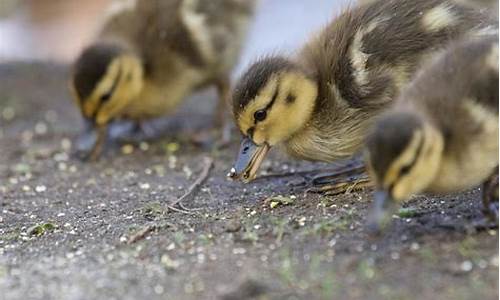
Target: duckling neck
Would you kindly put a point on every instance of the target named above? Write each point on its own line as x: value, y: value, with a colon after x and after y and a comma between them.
x: 329, y: 137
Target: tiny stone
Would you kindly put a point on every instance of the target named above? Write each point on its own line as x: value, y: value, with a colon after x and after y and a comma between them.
x: 127, y: 149
x: 41, y: 128
x: 158, y: 289
x: 144, y: 186
x: 169, y: 263
x: 61, y: 157
x: 482, y: 263
x: 144, y: 146
x: 62, y: 166
x: 51, y: 116
x: 494, y: 261
x: 414, y: 246
x: 66, y: 144
x: 466, y: 266
x: 239, y: 251
x: 8, y: 113
x: 171, y: 247
x: 40, y: 188
x: 233, y: 225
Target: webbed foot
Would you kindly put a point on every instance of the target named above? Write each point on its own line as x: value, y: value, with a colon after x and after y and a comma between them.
x: 490, y: 198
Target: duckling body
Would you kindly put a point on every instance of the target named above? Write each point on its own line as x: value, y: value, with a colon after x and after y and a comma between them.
x: 363, y: 60
x: 442, y: 134
x: 153, y: 55
x: 327, y: 96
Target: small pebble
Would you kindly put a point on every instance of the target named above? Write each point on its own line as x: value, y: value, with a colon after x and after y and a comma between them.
x: 414, y: 246
x: 158, y: 289
x: 66, y: 144
x: 8, y: 113
x: 239, y: 251
x: 169, y: 263
x: 41, y: 128
x: 40, y: 188
x: 51, y: 116
x: 466, y: 266
x: 144, y: 186
x: 144, y: 146
x: 127, y: 149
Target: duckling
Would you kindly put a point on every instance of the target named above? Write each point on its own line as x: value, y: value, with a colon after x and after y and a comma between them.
x: 442, y: 134
x: 149, y: 58
x: 319, y: 104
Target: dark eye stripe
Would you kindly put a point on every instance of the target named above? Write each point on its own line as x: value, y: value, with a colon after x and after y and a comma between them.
x: 275, y: 95
x: 404, y: 170
x: 271, y: 103
x: 107, y: 96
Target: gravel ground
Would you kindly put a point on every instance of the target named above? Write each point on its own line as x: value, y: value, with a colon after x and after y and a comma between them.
x: 74, y: 230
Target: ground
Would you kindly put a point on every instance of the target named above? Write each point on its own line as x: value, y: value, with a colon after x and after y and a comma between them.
x: 76, y: 230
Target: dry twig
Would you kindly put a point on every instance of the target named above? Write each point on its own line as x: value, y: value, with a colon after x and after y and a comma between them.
x: 208, y: 164
x: 139, y: 235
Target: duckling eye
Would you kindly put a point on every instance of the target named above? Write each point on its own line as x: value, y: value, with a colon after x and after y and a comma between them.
x: 290, y: 98
x: 260, y: 115
x: 105, y: 97
x: 404, y: 170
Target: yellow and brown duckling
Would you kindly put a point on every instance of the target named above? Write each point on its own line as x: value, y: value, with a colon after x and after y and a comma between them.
x: 319, y: 104
x: 149, y: 58
x: 442, y: 134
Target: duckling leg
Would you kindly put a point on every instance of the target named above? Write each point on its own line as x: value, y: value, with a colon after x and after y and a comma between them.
x: 490, y: 198
x: 99, y: 143
x: 348, y: 178
x: 222, y: 120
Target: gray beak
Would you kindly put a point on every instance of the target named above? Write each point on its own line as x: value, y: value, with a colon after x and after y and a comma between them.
x: 381, y: 212
x: 87, y: 139
x: 250, y: 157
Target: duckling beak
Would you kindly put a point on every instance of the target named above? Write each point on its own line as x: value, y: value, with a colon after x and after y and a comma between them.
x: 249, y: 159
x: 381, y: 213
x: 88, y: 137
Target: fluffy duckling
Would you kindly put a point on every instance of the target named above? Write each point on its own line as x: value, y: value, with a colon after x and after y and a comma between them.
x: 319, y: 104
x: 442, y: 134
x: 150, y: 57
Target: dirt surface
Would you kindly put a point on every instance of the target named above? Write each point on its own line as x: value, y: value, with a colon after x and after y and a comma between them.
x: 105, y: 230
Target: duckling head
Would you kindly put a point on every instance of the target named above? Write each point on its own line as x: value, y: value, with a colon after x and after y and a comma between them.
x: 404, y: 154
x: 272, y: 101
x: 105, y: 79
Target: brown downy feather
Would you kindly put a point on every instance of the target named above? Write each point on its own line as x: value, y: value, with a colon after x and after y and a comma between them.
x: 361, y: 61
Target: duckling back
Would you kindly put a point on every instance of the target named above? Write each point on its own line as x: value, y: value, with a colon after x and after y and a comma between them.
x: 184, y: 45
x: 458, y: 94
x: 365, y: 57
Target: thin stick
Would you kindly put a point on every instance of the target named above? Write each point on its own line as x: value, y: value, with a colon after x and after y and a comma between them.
x: 181, y: 210
x: 208, y: 163
x: 139, y: 235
